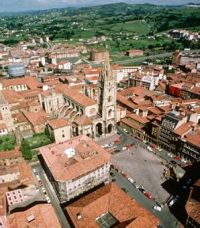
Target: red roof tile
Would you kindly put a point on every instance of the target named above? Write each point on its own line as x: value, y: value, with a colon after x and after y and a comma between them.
x: 124, y: 209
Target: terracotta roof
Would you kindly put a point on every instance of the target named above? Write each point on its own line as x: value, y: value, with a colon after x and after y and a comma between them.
x: 129, y: 123
x: 3, y: 126
x: 126, y: 211
x: 31, y: 82
x: 79, y: 98
x: 10, y: 154
x: 125, y: 101
x: 193, y: 209
x: 12, y: 96
x: 83, y: 120
x: 138, y: 118
x: 184, y: 128
x: 194, y: 138
x: 88, y: 156
x: 36, y: 118
x: 20, y: 118
x: 138, y: 91
x: 155, y: 110
x: 41, y: 215
x: 58, y: 123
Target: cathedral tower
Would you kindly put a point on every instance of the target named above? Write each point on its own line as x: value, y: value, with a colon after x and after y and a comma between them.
x: 107, y: 98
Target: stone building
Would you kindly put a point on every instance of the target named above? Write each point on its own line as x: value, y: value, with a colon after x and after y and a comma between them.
x: 75, y: 166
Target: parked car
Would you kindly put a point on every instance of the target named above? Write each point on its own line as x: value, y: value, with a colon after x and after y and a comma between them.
x: 131, y: 180
x: 157, y: 208
x: 141, y: 188
x: 170, y: 155
x: 149, y: 148
x: 173, y: 201
x: 148, y: 195
x: 124, y: 148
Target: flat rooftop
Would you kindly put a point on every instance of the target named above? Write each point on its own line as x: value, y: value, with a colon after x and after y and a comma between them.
x: 73, y: 158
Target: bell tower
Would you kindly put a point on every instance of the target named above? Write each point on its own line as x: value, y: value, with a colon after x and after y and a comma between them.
x: 107, y: 97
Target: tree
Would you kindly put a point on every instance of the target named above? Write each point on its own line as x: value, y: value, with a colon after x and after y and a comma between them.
x: 26, y: 151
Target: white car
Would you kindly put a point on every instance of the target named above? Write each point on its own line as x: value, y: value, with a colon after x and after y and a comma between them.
x: 170, y: 155
x: 124, y: 148
x: 184, y: 160
x: 131, y: 180
x: 125, y: 130
x: 149, y: 148
x: 106, y: 145
x: 174, y: 200
x: 157, y: 208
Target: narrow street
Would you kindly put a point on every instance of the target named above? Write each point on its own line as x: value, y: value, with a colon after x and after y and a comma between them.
x: 53, y: 197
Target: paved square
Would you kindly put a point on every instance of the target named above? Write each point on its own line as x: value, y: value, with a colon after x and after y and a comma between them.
x: 145, y: 168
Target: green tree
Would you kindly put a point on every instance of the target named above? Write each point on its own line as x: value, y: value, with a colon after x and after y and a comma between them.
x: 26, y: 150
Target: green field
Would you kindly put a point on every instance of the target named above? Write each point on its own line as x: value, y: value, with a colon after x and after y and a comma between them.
x: 139, y: 27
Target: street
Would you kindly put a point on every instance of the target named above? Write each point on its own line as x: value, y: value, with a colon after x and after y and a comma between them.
x: 53, y: 197
x: 143, y: 58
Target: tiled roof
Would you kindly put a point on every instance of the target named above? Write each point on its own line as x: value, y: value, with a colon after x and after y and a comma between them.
x: 41, y: 215
x: 194, y: 138
x: 138, y: 118
x: 58, y: 123
x: 31, y: 82
x: 36, y: 118
x: 79, y: 98
x: 125, y: 210
x: 129, y: 123
x: 184, y: 128
x: 88, y: 156
x: 193, y: 209
x: 83, y: 120
x: 10, y: 154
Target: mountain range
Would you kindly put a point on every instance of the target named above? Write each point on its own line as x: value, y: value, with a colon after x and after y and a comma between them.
x: 27, y: 5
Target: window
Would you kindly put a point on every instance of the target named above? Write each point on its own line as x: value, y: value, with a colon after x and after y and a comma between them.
x: 109, y: 98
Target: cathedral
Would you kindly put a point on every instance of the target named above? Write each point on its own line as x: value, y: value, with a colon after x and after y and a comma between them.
x: 94, y: 116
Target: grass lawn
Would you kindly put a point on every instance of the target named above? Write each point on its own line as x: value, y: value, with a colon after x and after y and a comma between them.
x: 38, y: 140
x: 7, y: 142
x: 29, y: 146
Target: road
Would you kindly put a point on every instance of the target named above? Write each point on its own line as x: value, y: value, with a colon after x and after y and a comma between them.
x: 53, y: 197
x: 143, y: 58
x: 166, y: 218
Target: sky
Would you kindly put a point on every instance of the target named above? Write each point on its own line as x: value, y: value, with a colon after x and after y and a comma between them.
x: 24, y: 5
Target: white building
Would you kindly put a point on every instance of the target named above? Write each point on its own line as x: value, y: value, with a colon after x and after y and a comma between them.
x: 76, y: 166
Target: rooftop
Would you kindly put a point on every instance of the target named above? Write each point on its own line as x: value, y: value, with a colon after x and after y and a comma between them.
x: 194, y: 138
x: 73, y: 158
x: 41, y: 215
x: 58, y: 123
x: 102, y: 208
x: 79, y: 98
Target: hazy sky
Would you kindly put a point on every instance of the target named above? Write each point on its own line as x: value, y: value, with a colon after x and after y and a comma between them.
x: 23, y: 5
